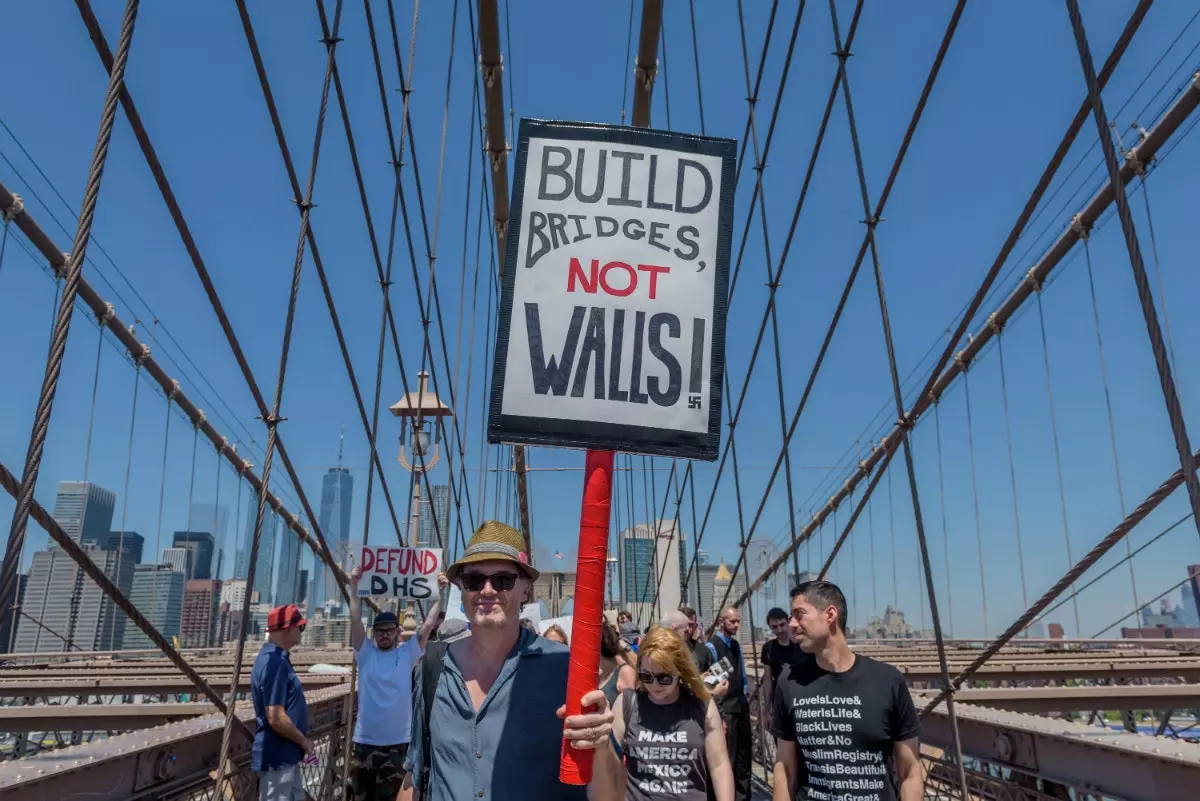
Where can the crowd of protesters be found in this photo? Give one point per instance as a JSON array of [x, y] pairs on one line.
[[474, 709]]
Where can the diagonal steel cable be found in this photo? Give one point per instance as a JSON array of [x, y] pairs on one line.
[[62, 324], [871, 221], [273, 419], [1122, 529], [941, 375], [320, 546], [1121, 201], [44, 519], [879, 452]]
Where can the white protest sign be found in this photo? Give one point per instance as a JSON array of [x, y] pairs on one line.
[[612, 321], [400, 572], [532, 613], [454, 604]]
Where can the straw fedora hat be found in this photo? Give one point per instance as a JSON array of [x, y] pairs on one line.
[[491, 541]]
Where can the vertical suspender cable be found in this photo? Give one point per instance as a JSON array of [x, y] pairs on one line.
[[937, 427], [1062, 490], [273, 419], [871, 221], [62, 325], [1012, 472], [1112, 430], [975, 496], [1153, 330]]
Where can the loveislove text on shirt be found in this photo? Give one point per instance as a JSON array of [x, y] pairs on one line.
[[612, 321], [399, 572], [839, 769]]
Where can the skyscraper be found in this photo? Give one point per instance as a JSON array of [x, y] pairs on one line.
[[429, 535], [264, 568], [337, 491], [648, 551], [289, 589], [214, 519], [198, 621], [71, 606], [157, 593], [202, 545], [721, 584], [84, 510], [129, 541], [179, 559]]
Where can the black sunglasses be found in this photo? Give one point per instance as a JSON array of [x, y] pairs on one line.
[[656, 678], [501, 582]]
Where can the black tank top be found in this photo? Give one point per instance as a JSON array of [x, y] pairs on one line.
[[664, 748]]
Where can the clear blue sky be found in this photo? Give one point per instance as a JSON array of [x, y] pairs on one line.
[[1009, 87]]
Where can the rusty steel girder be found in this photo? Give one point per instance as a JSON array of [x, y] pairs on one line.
[[161, 762]]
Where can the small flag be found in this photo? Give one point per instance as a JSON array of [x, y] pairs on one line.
[[558, 554]]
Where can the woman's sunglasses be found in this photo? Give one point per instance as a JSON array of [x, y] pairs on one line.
[[501, 582], [656, 678]]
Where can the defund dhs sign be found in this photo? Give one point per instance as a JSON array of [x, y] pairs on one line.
[[612, 319]]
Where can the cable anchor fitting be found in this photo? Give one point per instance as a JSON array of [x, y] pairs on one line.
[[906, 422], [842, 54], [994, 323], [272, 420], [873, 222], [140, 357], [646, 75], [173, 391], [304, 205], [1134, 160], [1033, 279], [223, 446], [963, 363], [103, 317], [1082, 229], [491, 72], [201, 419], [17, 207]]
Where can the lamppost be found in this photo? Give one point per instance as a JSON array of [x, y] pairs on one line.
[[612, 570], [419, 452]]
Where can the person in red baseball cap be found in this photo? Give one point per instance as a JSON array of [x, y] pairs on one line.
[[280, 711]]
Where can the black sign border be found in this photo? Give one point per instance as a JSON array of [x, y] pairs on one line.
[[646, 440]]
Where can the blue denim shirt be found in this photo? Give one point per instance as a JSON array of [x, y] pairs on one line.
[[509, 749], [273, 682]]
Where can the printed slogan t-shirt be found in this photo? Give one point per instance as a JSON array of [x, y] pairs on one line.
[[664, 748], [845, 726]]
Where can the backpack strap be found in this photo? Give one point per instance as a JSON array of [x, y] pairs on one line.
[[431, 671]]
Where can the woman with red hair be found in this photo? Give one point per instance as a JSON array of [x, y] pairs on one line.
[[669, 730]]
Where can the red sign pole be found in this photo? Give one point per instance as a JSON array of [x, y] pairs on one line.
[[575, 766]]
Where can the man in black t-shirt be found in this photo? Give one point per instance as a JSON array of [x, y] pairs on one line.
[[779, 652], [842, 722]]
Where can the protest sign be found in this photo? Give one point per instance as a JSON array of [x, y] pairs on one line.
[[612, 321], [400, 572]]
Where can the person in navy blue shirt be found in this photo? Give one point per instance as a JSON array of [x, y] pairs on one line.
[[280, 711]]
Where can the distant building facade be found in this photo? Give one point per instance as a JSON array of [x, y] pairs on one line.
[[337, 492], [433, 522], [70, 606], [264, 567], [202, 545], [198, 624], [180, 560], [130, 542], [157, 593]]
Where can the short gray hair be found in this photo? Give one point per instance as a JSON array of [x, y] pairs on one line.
[[673, 618]]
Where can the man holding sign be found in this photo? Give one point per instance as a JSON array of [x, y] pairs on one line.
[[384, 723], [491, 727]]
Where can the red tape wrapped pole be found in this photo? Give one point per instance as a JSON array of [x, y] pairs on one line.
[[575, 766]]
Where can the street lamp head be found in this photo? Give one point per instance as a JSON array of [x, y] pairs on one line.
[[416, 409], [424, 403]]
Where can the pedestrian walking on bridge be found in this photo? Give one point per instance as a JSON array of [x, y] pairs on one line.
[[384, 722], [280, 711], [488, 713]]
